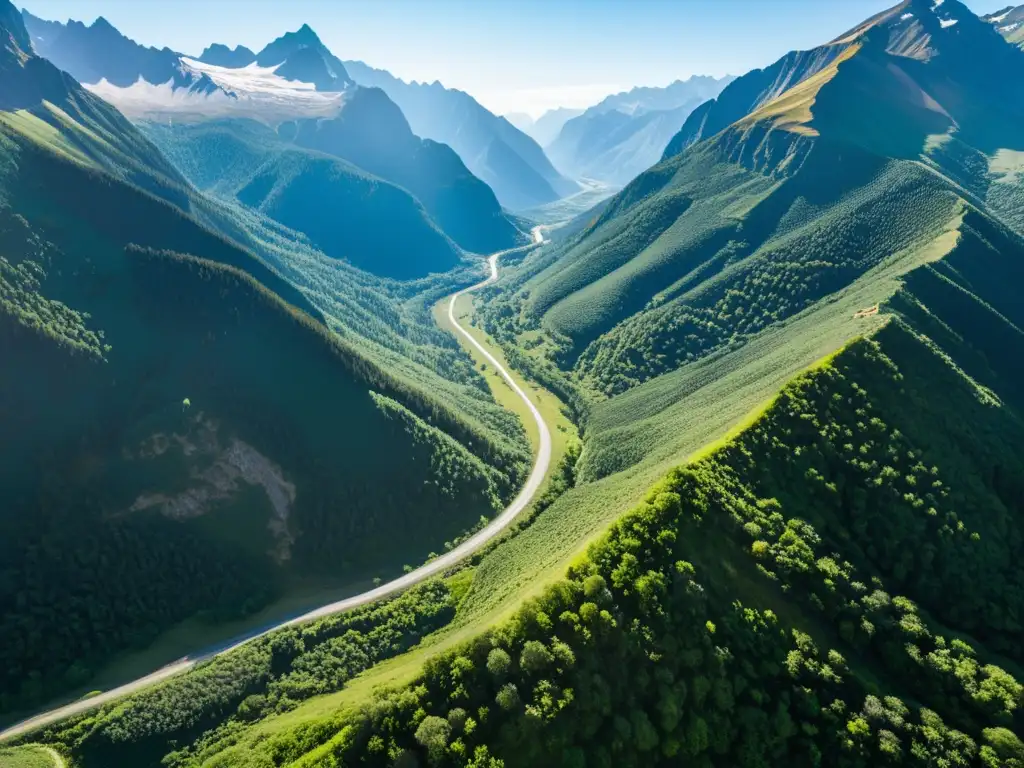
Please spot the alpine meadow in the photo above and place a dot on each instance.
(470, 412)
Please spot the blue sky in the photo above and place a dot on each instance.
(512, 55)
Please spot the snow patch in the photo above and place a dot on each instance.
(946, 23)
(906, 16)
(257, 92)
(937, 3)
(1000, 17)
(252, 78)
(1009, 27)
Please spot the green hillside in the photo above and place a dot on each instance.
(859, 164)
(807, 593)
(192, 435)
(836, 584)
(345, 212)
(794, 351)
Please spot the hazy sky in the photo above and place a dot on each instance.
(512, 55)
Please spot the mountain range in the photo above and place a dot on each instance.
(626, 133)
(506, 159)
(902, 108)
(1009, 22)
(783, 369)
(546, 127)
(496, 151)
(297, 86)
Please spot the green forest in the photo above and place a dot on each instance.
(837, 585)
(111, 468)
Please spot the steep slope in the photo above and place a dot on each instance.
(191, 437)
(99, 52)
(301, 56)
(308, 65)
(1009, 22)
(346, 213)
(371, 133)
(832, 578)
(626, 133)
(870, 157)
(747, 93)
(509, 161)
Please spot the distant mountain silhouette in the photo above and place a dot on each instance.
(372, 133)
(98, 51)
(221, 56)
(546, 128)
(626, 133)
(495, 150)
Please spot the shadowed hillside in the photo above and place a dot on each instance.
(186, 422)
(371, 133)
(347, 213)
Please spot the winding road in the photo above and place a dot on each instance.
(434, 567)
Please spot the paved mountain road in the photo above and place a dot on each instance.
(436, 566)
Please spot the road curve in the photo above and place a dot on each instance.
(438, 565)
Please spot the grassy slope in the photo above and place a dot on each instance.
(959, 345)
(632, 439)
(962, 433)
(28, 757)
